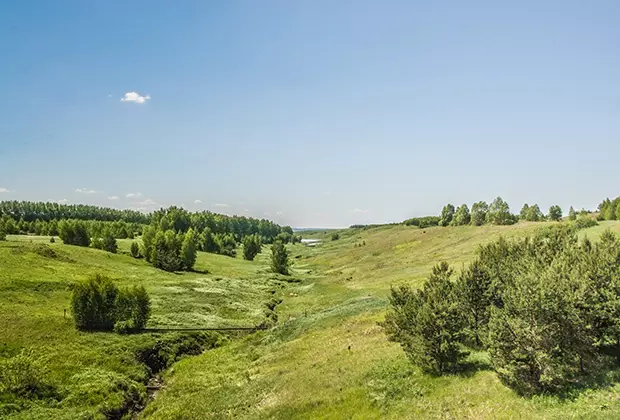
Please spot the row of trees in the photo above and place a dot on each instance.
(31, 211)
(546, 307)
(118, 229)
(609, 209)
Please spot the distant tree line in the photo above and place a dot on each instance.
(30, 211)
(498, 213)
(546, 307)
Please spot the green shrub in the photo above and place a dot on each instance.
(279, 258)
(52, 240)
(584, 222)
(335, 236)
(24, 375)
(135, 250)
(98, 304)
(73, 232)
(2, 235)
(251, 246)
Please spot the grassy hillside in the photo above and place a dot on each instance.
(329, 359)
(95, 373)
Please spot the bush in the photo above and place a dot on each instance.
(52, 240)
(73, 232)
(428, 323)
(279, 258)
(98, 304)
(109, 244)
(335, 236)
(251, 247)
(2, 235)
(584, 222)
(24, 375)
(135, 250)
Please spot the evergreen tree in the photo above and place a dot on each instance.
(109, 243)
(135, 249)
(251, 246)
(279, 258)
(476, 297)
(572, 214)
(428, 322)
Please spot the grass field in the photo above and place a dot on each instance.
(326, 358)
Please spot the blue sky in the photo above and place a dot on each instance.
(310, 113)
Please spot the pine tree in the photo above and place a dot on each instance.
(135, 250)
(251, 246)
(279, 258)
(475, 297)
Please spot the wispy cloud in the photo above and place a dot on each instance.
(63, 201)
(197, 201)
(221, 205)
(147, 202)
(135, 97)
(279, 213)
(4, 190)
(133, 195)
(113, 197)
(359, 211)
(85, 191)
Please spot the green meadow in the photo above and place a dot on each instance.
(326, 357)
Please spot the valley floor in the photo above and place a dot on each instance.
(326, 358)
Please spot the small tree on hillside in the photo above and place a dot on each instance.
(135, 249)
(461, 216)
(335, 236)
(572, 214)
(534, 214)
(109, 243)
(475, 296)
(188, 250)
(479, 212)
(447, 213)
(499, 213)
(524, 211)
(555, 213)
(93, 304)
(428, 323)
(279, 258)
(251, 246)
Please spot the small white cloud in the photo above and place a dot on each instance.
(221, 205)
(135, 97)
(113, 197)
(109, 95)
(63, 201)
(133, 195)
(85, 191)
(4, 190)
(279, 213)
(359, 211)
(147, 202)
(197, 201)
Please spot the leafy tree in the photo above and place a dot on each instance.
(279, 258)
(226, 244)
(132, 309)
(208, 242)
(461, 216)
(555, 213)
(479, 213)
(534, 214)
(166, 251)
(499, 213)
(135, 250)
(572, 214)
(447, 213)
(423, 222)
(428, 323)
(251, 246)
(335, 236)
(524, 211)
(188, 250)
(73, 232)
(109, 243)
(93, 303)
(475, 295)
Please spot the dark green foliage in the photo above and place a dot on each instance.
(52, 240)
(207, 241)
(98, 304)
(428, 323)
(30, 211)
(251, 246)
(166, 251)
(335, 236)
(479, 212)
(188, 250)
(279, 258)
(447, 213)
(93, 303)
(531, 213)
(24, 375)
(524, 211)
(73, 232)
(584, 222)
(226, 244)
(572, 214)
(555, 213)
(2, 235)
(109, 243)
(423, 222)
(608, 209)
(499, 213)
(135, 250)
(475, 295)
(461, 216)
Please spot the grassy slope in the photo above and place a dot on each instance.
(329, 359)
(34, 292)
